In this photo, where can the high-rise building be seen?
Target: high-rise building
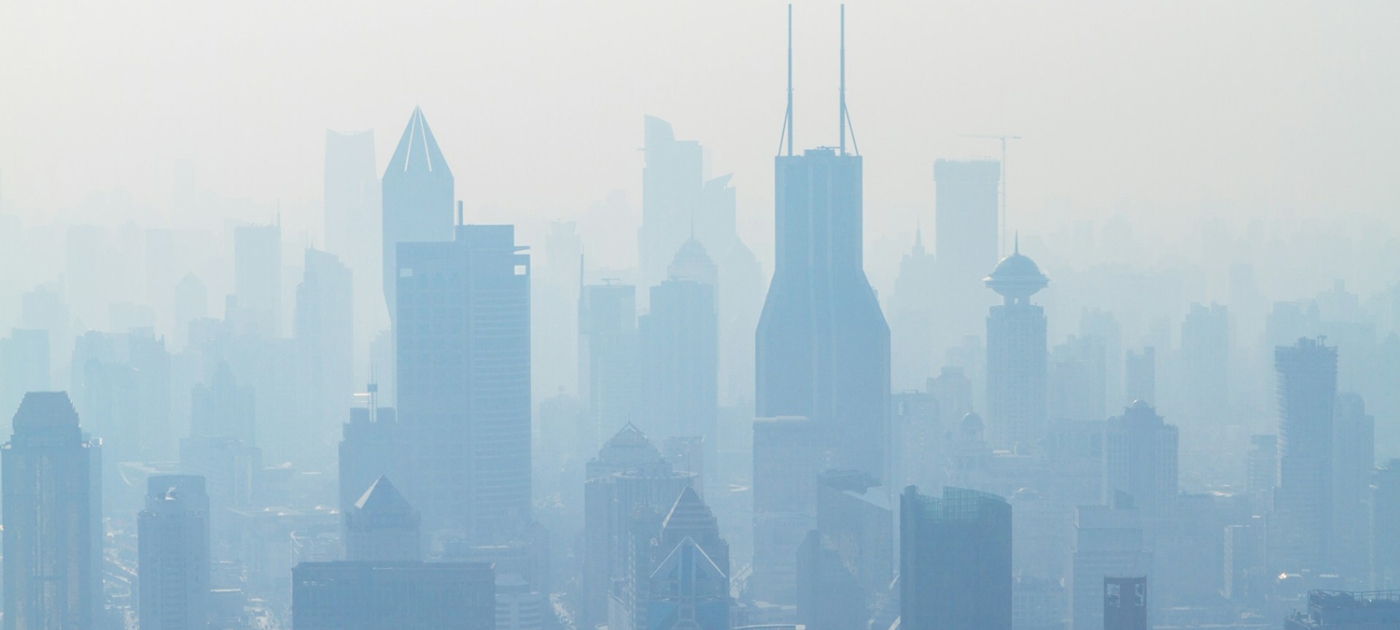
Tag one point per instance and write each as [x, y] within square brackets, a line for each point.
[257, 279]
[687, 586]
[393, 596]
[325, 339]
[629, 474]
[912, 307]
[607, 355]
[223, 408]
[53, 518]
[353, 231]
[1140, 460]
[954, 561]
[679, 361]
[1016, 354]
[1205, 364]
[173, 553]
[787, 456]
[671, 185]
[1385, 527]
[24, 367]
[373, 444]
[1125, 603]
[1301, 529]
[463, 342]
[416, 199]
[822, 346]
[382, 526]
[846, 563]
[1108, 542]
[1140, 376]
[1341, 610]
[965, 241]
[1353, 464]
[1077, 380]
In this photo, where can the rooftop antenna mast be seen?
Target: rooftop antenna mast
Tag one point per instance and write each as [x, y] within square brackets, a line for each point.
[843, 80]
[787, 118]
[1001, 196]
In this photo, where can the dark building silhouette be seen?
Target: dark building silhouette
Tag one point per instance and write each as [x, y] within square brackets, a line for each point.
[1125, 603]
[954, 561]
[393, 596]
[463, 342]
[417, 199]
[1340, 610]
[53, 518]
[173, 553]
[382, 526]
[1016, 354]
[1301, 529]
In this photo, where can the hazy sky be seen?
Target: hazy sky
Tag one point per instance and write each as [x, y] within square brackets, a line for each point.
[1175, 106]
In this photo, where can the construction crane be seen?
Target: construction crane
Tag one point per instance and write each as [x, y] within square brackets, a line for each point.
[1001, 194]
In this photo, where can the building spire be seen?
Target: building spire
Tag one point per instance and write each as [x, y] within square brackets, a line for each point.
[843, 80]
[787, 117]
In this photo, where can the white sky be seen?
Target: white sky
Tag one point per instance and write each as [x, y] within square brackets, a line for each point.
[1264, 105]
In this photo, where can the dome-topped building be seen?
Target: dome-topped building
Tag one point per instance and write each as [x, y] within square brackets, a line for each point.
[1016, 277]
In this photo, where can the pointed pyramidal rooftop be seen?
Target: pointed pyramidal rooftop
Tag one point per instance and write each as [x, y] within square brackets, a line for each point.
[689, 515]
[382, 498]
[418, 150]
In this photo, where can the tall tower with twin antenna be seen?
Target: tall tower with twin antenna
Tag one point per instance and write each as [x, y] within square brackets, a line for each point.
[822, 346]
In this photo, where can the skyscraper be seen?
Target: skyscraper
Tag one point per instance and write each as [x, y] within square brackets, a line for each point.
[1140, 459]
[1140, 376]
[354, 231]
[325, 339]
[913, 306]
[965, 242]
[1016, 354]
[680, 361]
[463, 341]
[53, 518]
[823, 347]
[417, 199]
[257, 279]
[607, 355]
[1108, 542]
[786, 461]
[687, 586]
[1205, 363]
[1301, 531]
[173, 553]
[1354, 464]
[954, 561]
[671, 185]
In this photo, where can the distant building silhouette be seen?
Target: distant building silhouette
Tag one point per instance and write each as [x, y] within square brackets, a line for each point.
[1016, 354]
[1205, 364]
[393, 596]
[257, 279]
[324, 329]
[416, 199]
[173, 553]
[786, 460]
[679, 360]
[913, 307]
[382, 526]
[1109, 542]
[955, 561]
[1141, 460]
[1340, 610]
[354, 231]
[223, 408]
[53, 518]
[845, 563]
[1301, 529]
[1125, 603]
[1385, 527]
[1140, 376]
[463, 341]
[608, 379]
[965, 241]
[1354, 464]
[374, 444]
[671, 184]
[24, 367]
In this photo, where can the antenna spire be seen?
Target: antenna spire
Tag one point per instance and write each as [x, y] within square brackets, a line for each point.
[843, 80]
[788, 131]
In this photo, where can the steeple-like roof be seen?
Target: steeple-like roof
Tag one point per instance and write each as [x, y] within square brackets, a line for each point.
[418, 150]
[383, 498]
[688, 514]
[1016, 277]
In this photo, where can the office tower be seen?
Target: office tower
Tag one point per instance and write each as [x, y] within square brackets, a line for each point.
[954, 561]
[1077, 380]
[463, 341]
[1354, 463]
[679, 361]
[223, 408]
[1125, 603]
[1108, 543]
[965, 240]
[53, 518]
[1140, 376]
[121, 384]
[787, 455]
[1246, 578]
[1385, 527]
[1341, 610]
[353, 232]
[24, 366]
[1205, 361]
[191, 303]
[628, 475]
[1140, 460]
[740, 291]
[1100, 331]
[393, 596]
[373, 444]
[917, 439]
[687, 587]
[1301, 528]
[257, 279]
[913, 306]
[325, 341]
[173, 553]
[846, 563]
[522, 582]
[1016, 356]
[416, 201]
[607, 354]
[822, 346]
[671, 185]
[1038, 603]
[554, 329]
[382, 526]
